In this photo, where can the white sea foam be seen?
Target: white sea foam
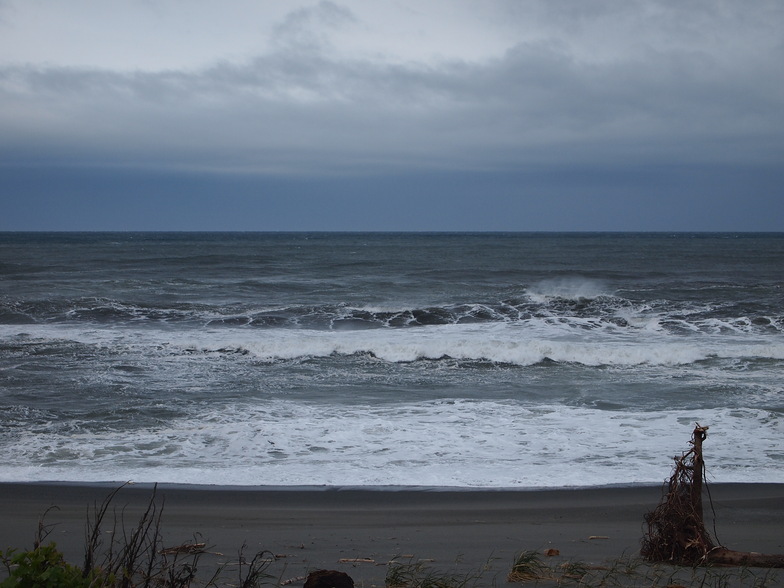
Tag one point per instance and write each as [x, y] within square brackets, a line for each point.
[503, 343]
[441, 443]
[568, 287]
[575, 341]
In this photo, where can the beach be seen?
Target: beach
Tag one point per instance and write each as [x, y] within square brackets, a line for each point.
[360, 530]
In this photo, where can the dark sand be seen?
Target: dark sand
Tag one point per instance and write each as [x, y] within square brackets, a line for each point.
[455, 530]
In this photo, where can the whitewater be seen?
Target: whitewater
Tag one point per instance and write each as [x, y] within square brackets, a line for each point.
[459, 360]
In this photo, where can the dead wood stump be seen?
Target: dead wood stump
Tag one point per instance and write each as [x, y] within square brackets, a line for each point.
[676, 530]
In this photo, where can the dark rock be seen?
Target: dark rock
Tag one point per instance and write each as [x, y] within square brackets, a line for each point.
[328, 579]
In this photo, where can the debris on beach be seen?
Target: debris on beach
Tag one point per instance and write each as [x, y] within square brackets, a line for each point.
[187, 548]
[676, 529]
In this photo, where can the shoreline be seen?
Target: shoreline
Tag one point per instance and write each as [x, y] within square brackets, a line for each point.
[456, 530]
[341, 487]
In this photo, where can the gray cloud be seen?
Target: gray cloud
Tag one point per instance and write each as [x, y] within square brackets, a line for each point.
[660, 83]
[309, 28]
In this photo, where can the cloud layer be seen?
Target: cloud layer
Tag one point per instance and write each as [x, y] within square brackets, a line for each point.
[679, 94]
[354, 89]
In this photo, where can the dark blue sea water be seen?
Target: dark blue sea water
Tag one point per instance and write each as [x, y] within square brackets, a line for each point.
[485, 360]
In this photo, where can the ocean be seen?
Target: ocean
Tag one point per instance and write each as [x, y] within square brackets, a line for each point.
[462, 360]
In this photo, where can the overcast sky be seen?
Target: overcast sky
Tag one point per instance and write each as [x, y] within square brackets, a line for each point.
[392, 115]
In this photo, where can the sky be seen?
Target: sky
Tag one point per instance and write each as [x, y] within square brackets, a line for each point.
[392, 115]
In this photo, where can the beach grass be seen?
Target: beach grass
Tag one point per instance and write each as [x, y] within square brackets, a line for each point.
[529, 569]
[119, 555]
[418, 574]
[44, 567]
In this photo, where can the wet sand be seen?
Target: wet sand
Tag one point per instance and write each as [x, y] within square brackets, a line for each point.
[460, 531]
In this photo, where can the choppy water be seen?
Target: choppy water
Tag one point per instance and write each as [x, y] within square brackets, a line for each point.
[373, 359]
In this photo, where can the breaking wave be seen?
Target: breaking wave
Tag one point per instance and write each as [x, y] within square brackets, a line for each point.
[575, 309]
[443, 443]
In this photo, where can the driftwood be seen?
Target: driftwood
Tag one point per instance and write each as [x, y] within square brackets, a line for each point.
[187, 548]
[676, 529]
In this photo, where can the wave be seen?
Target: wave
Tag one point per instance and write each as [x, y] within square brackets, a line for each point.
[537, 341]
[569, 288]
[464, 347]
[580, 305]
[93, 310]
[439, 443]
